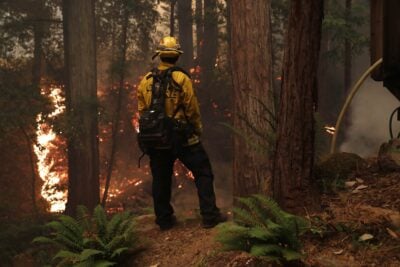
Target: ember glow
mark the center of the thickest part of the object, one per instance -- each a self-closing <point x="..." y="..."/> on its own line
<point x="330" y="130"/>
<point x="135" y="122"/>
<point x="46" y="138"/>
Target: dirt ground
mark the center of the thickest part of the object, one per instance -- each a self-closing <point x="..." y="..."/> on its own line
<point x="370" y="204"/>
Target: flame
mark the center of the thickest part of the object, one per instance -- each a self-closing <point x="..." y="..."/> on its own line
<point x="45" y="142"/>
<point x="135" y="122"/>
<point x="330" y="130"/>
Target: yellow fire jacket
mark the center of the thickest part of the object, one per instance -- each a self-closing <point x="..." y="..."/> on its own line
<point x="186" y="98"/>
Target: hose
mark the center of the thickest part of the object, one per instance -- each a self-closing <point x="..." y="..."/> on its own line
<point x="349" y="98"/>
<point x="391" y="123"/>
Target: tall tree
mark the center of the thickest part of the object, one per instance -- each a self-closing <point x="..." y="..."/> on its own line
<point x="294" y="152"/>
<point x="199" y="27"/>
<point x="185" y="23"/>
<point x="81" y="100"/>
<point x="117" y="114"/>
<point x="347" y="49"/>
<point x="172" y="18"/>
<point x="210" y="43"/>
<point x="252" y="84"/>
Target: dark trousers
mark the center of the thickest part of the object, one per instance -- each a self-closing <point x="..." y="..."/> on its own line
<point x="196" y="160"/>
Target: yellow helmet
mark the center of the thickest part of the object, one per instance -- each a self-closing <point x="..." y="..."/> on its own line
<point x="169" y="47"/>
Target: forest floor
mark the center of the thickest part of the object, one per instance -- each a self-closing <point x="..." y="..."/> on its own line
<point x="370" y="204"/>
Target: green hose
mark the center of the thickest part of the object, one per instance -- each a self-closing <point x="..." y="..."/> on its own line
<point x="348" y="102"/>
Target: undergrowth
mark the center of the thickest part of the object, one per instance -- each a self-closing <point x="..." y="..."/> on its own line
<point x="262" y="228"/>
<point x="91" y="240"/>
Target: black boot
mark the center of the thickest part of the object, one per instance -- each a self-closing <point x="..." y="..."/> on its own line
<point x="210" y="223"/>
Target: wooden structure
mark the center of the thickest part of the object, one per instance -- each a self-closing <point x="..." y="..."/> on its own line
<point x="385" y="42"/>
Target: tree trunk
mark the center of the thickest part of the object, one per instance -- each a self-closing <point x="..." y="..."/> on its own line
<point x="172" y="19"/>
<point x="38" y="34"/>
<point x="376" y="9"/>
<point x="347" y="50"/>
<point x="199" y="28"/>
<point x="185" y="23"/>
<point x="117" y="114"/>
<point x="81" y="100"/>
<point x="252" y="85"/>
<point x="210" y="44"/>
<point x="29" y="145"/>
<point x="294" y="153"/>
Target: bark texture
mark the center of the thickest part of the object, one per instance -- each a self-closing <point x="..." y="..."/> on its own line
<point x="252" y="73"/>
<point x="199" y="27"/>
<point x="348" y="58"/>
<point x="294" y="152"/>
<point x="172" y="18"/>
<point x="210" y="43"/>
<point x="185" y="24"/>
<point x="376" y="37"/>
<point x="81" y="100"/>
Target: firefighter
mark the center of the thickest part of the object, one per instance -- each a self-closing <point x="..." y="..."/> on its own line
<point x="182" y="106"/>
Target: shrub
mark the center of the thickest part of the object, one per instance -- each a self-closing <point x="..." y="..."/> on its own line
<point x="91" y="240"/>
<point x="262" y="228"/>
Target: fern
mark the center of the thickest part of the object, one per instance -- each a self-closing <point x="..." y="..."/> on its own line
<point x="100" y="219"/>
<point x="91" y="240"/>
<point x="262" y="228"/>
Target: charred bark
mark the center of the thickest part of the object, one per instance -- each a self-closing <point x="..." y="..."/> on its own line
<point x="185" y="23"/>
<point x="252" y="85"/>
<point x="294" y="153"/>
<point x="81" y="102"/>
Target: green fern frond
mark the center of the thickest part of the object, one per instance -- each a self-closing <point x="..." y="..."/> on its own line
<point x="67" y="255"/>
<point x="243" y="217"/>
<point x="83" y="217"/>
<point x="113" y="225"/>
<point x="115" y="243"/>
<point x="44" y="240"/>
<point x="233" y="237"/>
<point x="89" y="253"/>
<point x="71" y="224"/>
<point x="263" y="234"/>
<point x="91" y="240"/>
<point x="271" y="207"/>
<point x="67" y="235"/>
<point x="266" y="250"/>
<point x="256" y="212"/>
<point x="72" y="245"/>
<point x="100" y="218"/>
<point x="263" y="229"/>
<point x="125" y="227"/>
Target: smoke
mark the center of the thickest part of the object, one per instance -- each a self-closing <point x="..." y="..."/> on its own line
<point x="369" y="120"/>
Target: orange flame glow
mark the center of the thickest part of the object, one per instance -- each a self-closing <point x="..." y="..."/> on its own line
<point x="45" y="142"/>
